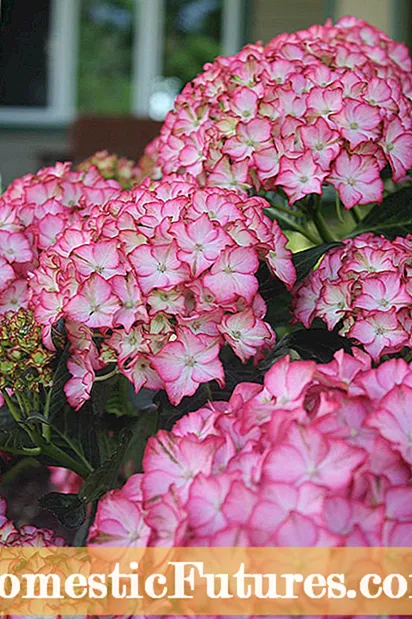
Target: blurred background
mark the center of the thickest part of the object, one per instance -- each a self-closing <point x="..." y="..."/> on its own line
<point x="77" y="76"/>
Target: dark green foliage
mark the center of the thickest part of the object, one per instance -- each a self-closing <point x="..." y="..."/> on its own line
<point x="391" y="218"/>
<point x="68" y="508"/>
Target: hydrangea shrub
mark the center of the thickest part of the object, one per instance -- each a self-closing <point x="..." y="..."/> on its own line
<point x="185" y="377"/>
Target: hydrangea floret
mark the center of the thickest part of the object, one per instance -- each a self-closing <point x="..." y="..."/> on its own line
<point x="24" y="361"/>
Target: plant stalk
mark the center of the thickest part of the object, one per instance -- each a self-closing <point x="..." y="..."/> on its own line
<point x="322" y="228"/>
<point x="271" y="212"/>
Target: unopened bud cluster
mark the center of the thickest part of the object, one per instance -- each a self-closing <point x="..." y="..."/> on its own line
<point x="24" y="361"/>
<point x="112" y="167"/>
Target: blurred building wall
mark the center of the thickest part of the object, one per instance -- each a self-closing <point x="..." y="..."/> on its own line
<point x="272" y="17"/>
<point x="379" y="13"/>
<point x="24" y="151"/>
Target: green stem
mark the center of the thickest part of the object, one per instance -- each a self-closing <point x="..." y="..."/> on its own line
<point x="208" y="392"/>
<point x="282" y="209"/>
<point x="27" y="404"/>
<point x="27" y="451"/>
<point x="322" y="228"/>
<point x="106" y="376"/>
<point x="36" y="401"/>
<point x="357" y="214"/>
<point x="10" y="404"/>
<point x="297" y="227"/>
<point x="67" y="461"/>
<point x="21" y="403"/>
<point x="46" y="428"/>
<point x="80" y="538"/>
<point x="310" y="236"/>
<point x="339" y="208"/>
<point x="83" y="469"/>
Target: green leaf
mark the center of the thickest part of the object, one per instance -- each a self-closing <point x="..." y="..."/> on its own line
<point x="124" y="402"/>
<point x="68" y="508"/>
<point x="119" y="402"/>
<point x="391" y="218"/>
<point x="291" y="220"/>
<point x="75" y="433"/>
<point x="101" y="393"/>
<point x="143" y="429"/>
<point x="105" y="477"/>
<point x="309" y="344"/>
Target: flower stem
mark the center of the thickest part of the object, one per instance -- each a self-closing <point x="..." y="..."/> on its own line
<point x="103" y="377"/>
<point x="208" y="391"/>
<point x="87" y="468"/>
<point x="46" y="428"/>
<point x="27" y="451"/>
<point x="355" y="216"/>
<point x="271" y="212"/>
<point x="322" y="228"/>
<point x="80" y="538"/>
<point x="42" y="446"/>
<point x="83" y="469"/>
<point x="339" y="208"/>
<point x="10" y="405"/>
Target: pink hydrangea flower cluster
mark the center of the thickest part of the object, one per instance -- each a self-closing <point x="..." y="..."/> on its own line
<point x="27" y="535"/>
<point x="163" y="277"/>
<point x="320" y="455"/>
<point x="365" y="284"/>
<point x="33" y="211"/>
<point x="331" y="104"/>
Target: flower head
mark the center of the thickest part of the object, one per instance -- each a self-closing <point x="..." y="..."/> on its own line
<point x="154" y="280"/>
<point x="327" y="465"/>
<point x="362" y="287"/>
<point x="327" y="105"/>
<point x="34" y="212"/>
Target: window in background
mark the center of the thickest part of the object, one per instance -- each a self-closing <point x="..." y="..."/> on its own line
<point x="38" y="52"/>
<point x="24" y="43"/>
<point x="105" y="56"/>
<point x="192" y="37"/>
